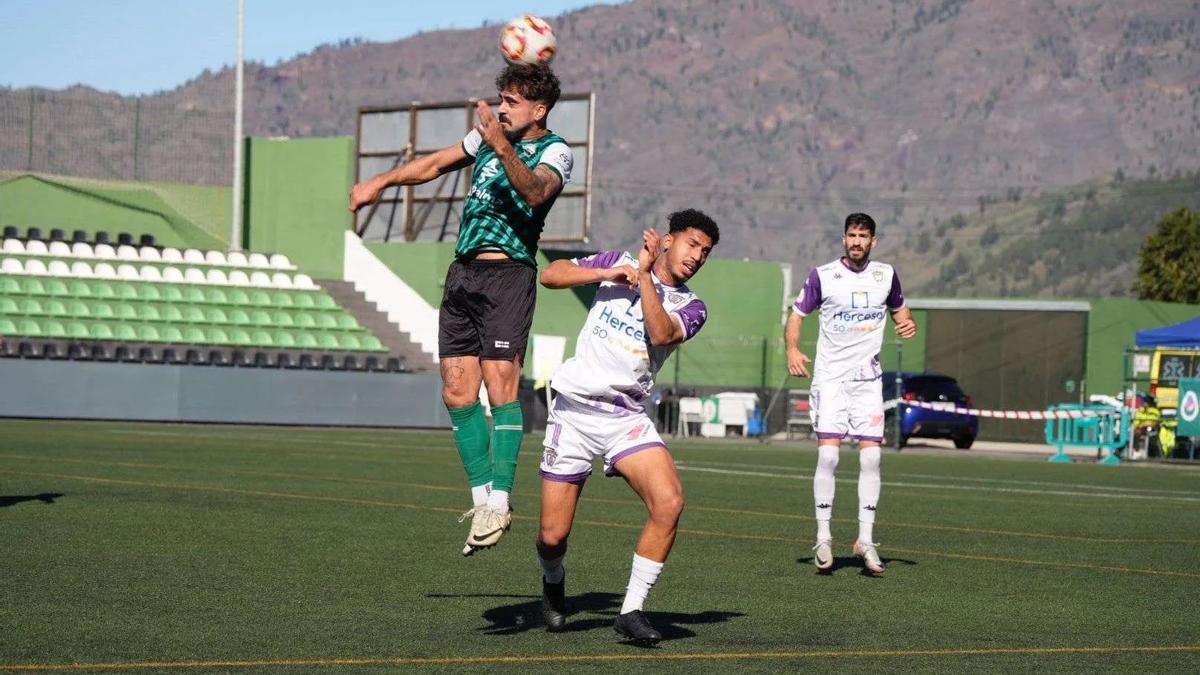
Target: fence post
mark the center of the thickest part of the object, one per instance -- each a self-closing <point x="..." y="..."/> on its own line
<point x="137" y="123"/>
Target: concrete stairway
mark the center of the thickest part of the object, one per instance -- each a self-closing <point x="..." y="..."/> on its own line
<point x="368" y="316"/>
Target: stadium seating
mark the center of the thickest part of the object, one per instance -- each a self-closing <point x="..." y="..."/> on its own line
<point x="93" y="301"/>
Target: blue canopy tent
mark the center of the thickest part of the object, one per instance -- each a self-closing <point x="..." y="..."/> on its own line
<point x="1186" y="334"/>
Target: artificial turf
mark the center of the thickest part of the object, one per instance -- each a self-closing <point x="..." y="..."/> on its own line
<point x="170" y="548"/>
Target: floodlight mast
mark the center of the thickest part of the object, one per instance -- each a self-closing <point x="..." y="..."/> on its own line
<point x="235" y="234"/>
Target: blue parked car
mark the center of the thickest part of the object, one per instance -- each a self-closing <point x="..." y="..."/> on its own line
<point x="922" y="422"/>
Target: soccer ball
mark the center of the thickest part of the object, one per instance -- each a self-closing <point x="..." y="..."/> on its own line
<point x="527" y="39"/>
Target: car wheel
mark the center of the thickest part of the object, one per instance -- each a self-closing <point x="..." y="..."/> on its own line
<point x="963" y="442"/>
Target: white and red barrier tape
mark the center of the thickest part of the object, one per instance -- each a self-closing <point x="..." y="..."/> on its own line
<point x="1002" y="414"/>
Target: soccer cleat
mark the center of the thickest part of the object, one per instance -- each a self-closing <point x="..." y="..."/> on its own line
<point x="634" y="626"/>
<point x="554" y="605"/>
<point x="870" y="557"/>
<point x="823" y="556"/>
<point x="487" y="526"/>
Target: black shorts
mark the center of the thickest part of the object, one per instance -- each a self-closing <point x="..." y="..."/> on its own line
<point x="487" y="309"/>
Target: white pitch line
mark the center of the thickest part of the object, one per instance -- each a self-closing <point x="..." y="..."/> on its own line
<point x="935" y="486"/>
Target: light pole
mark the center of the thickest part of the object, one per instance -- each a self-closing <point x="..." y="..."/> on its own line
<point x="235" y="233"/>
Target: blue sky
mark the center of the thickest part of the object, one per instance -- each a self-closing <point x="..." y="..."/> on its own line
<point x="142" y="46"/>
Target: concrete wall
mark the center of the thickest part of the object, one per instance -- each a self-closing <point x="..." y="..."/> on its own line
<point x="119" y="391"/>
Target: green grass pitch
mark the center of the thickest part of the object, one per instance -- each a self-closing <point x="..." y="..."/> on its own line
<point x="170" y="548"/>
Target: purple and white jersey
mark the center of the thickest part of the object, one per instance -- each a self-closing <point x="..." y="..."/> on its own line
<point x="854" y="308"/>
<point x="614" y="363"/>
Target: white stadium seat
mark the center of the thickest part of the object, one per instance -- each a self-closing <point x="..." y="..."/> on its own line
<point x="58" y="268"/>
<point x="281" y="280"/>
<point x="35" y="267"/>
<point x="13" y="246"/>
<point x="60" y="248"/>
<point x="239" y="278"/>
<point x="214" y="258"/>
<point x="36" y="247"/>
<point x="104" y="271"/>
<point x="193" y="256"/>
<point x="194" y="276"/>
<point x="280" y="262"/>
<point x="150" y="254"/>
<point x="82" y="249"/>
<point x="237" y="259"/>
<point x="217" y="277"/>
<point x="172" y="255"/>
<point x="172" y="274"/>
<point x="127" y="252"/>
<point x="303" y="281"/>
<point x="12" y="266"/>
<point x="258" y="260"/>
<point x="81" y="269"/>
<point x="260" y="279"/>
<point x="105" y="251"/>
<point x="150" y="273"/>
<point x="128" y="272"/>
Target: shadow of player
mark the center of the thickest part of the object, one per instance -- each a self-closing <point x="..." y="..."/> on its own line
<point x="45" y="498"/>
<point x="852" y="562"/>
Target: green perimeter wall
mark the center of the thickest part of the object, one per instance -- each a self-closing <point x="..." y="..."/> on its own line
<point x="743" y="300"/>
<point x="1111" y="326"/>
<point x="296" y="196"/>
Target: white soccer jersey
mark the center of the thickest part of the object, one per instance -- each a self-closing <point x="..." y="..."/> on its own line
<point x="854" y="308"/>
<point x="614" y="363"/>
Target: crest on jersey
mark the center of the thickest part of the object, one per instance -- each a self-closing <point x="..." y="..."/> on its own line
<point x="878" y="276"/>
<point x="674" y="297"/>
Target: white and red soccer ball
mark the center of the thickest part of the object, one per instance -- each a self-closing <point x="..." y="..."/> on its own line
<point x="528" y="39"/>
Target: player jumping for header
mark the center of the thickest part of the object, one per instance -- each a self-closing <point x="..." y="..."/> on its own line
<point x="641" y="311"/>
<point x="855" y="295"/>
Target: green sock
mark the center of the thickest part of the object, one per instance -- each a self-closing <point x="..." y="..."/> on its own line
<point x="471" y="438"/>
<point x="507" y="429"/>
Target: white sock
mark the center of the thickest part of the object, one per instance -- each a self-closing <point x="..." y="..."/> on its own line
<point x="823" y="484"/>
<point x="641" y="580"/>
<point x="479" y="493"/>
<point x="869" y="487"/>
<point x="498" y="500"/>
<point x="553" y="571"/>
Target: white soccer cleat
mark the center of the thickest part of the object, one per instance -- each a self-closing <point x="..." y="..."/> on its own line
<point x="870" y="557"/>
<point x="487" y="526"/>
<point x="823" y="555"/>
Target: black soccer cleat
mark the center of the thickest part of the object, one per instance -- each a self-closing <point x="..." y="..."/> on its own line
<point x="634" y="626"/>
<point x="554" y="605"/>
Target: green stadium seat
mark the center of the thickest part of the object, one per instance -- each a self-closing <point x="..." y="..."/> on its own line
<point x="9" y="306"/>
<point x="193" y="314"/>
<point x="125" y="291"/>
<point x="80" y="289"/>
<point x="171" y="294"/>
<point x="125" y="332"/>
<point x="304" y="320"/>
<point x="100" y="331"/>
<point x="57" y="287"/>
<point x="103" y="289"/>
<point x="260" y="318"/>
<point x="327" y="341"/>
<point x="346" y="322"/>
<point x="125" y="311"/>
<point x="54" y="329"/>
<point x="260" y="299"/>
<point x="29" y="328"/>
<point x="239" y="317"/>
<point x="215" y="296"/>
<point x="77" y="330"/>
<point x="8" y="327"/>
<point x="284" y="338"/>
<point x="238" y="297"/>
<point x="281" y="299"/>
<point x="194" y="295"/>
<point x="239" y="336"/>
<point x="326" y="321"/>
<point x="102" y="310"/>
<point x="33" y="287"/>
<point x="193" y="335"/>
<point x="261" y="338"/>
<point x="79" y="309"/>
<point x="215" y="315"/>
<point x="303" y="301"/>
<point x="216" y="336"/>
<point x="31" y="307"/>
<point x="349" y="342"/>
<point x="148" y="333"/>
<point x="10" y="286"/>
<point x="324" y="301"/>
<point x="148" y="292"/>
<point x="147" y="312"/>
<point x="372" y="343"/>
<point x="171" y="314"/>
<point x="307" y="340"/>
<point x="171" y="334"/>
<point x="55" y="308"/>
<point x="283" y="319"/>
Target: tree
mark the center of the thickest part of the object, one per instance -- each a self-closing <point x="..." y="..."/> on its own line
<point x="1169" y="262"/>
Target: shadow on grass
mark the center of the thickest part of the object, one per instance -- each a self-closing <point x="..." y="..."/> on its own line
<point x="13" y="500"/>
<point x="851" y="562"/>
<point x="601" y="610"/>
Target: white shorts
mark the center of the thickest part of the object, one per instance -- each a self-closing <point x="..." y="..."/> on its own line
<point x="577" y="433"/>
<point x="848" y="410"/>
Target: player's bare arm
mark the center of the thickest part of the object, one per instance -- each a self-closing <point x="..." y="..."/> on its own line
<point x="420" y="170"/>
<point x="565" y="274"/>
<point x="536" y="186"/>
<point x="906" y="326"/>
<point x="663" y="329"/>
<point x="797" y="360"/>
